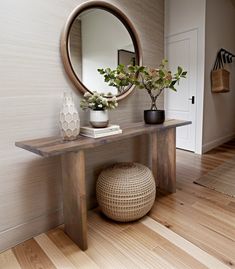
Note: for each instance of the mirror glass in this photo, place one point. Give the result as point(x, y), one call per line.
point(98, 39)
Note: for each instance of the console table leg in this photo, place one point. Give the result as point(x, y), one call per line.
point(164, 159)
point(74, 197)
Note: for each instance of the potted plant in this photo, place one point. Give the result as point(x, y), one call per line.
point(98, 103)
point(153, 80)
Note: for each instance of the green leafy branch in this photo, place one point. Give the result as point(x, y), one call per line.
point(153, 80)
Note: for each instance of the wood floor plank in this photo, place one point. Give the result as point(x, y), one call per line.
point(185, 245)
point(193, 215)
point(55, 255)
point(129, 246)
point(231, 207)
point(170, 258)
point(201, 192)
point(193, 228)
point(96, 251)
point(145, 236)
point(76, 256)
point(216, 212)
point(182, 256)
point(30, 256)
point(8, 260)
point(109, 251)
point(152, 239)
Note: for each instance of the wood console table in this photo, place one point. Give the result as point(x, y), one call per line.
point(73, 167)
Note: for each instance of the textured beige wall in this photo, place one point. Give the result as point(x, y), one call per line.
point(32, 81)
point(219, 109)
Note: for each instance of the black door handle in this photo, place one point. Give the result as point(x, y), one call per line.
point(192, 99)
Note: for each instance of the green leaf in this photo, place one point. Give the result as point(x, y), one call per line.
point(101, 71)
point(180, 69)
point(161, 73)
point(173, 82)
point(131, 68)
point(121, 66)
point(172, 88)
point(141, 68)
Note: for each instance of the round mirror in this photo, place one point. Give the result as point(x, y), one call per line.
point(96, 36)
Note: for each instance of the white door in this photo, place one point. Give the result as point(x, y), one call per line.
point(181, 50)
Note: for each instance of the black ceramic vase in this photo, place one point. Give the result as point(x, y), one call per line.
point(154, 116)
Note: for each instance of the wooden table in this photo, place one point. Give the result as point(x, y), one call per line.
point(73, 167)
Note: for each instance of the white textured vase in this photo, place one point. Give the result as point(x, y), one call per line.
point(69, 119)
point(99, 118)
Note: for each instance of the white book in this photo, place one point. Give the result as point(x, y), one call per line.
point(92, 131)
point(102, 135)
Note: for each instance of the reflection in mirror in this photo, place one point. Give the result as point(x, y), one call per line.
point(98, 39)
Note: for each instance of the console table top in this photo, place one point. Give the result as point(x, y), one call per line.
point(52, 146)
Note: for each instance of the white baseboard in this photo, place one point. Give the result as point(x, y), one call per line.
point(11, 237)
point(217, 142)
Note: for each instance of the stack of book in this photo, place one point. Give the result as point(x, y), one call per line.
point(100, 132)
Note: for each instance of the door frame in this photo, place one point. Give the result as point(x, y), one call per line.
point(199, 98)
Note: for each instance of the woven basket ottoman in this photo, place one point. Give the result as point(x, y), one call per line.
point(126, 191)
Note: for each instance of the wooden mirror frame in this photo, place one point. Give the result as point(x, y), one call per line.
point(65, 37)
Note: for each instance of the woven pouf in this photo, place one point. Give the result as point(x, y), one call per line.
point(126, 191)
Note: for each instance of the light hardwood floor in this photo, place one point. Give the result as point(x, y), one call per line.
point(193, 228)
